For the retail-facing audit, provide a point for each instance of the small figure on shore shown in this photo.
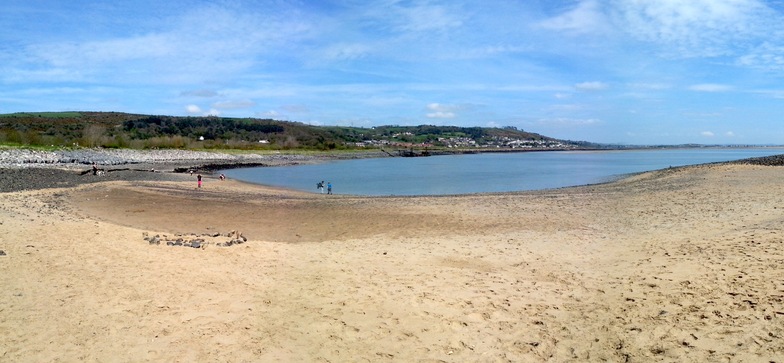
(198, 177)
(222, 177)
(329, 188)
(95, 168)
(320, 186)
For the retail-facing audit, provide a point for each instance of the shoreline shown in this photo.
(31, 170)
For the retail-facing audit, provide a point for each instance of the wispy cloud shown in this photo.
(766, 56)
(568, 122)
(586, 17)
(234, 105)
(205, 93)
(199, 45)
(697, 28)
(591, 86)
(417, 17)
(710, 87)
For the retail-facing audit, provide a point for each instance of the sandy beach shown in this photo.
(675, 265)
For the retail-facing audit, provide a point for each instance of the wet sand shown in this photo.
(675, 265)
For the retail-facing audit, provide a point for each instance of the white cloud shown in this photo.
(729, 134)
(485, 51)
(707, 134)
(440, 114)
(591, 86)
(710, 87)
(767, 56)
(193, 109)
(443, 111)
(695, 28)
(586, 17)
(196, 110)
(423, 18)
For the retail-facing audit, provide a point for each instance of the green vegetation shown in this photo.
(122, 130)
(43, 114)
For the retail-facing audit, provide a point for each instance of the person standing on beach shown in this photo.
(329, 188)
(198, 177)
(321, 187)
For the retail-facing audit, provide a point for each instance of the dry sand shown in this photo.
(676, 265)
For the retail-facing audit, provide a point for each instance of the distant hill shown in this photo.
(123, 130)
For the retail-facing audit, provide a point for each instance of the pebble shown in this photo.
(235, 238)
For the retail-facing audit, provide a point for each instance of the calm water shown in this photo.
(478, 173)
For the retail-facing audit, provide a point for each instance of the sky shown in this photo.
(608, 71)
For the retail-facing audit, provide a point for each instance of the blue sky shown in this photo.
(626, 71)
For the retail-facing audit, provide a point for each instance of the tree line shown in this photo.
(122, 130)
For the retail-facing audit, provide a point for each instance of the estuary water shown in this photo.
(488, 172)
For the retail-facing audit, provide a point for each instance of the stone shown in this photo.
(2, 253)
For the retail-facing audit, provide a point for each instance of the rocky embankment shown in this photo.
(774, 160)
(22, 169)
(20, 158)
